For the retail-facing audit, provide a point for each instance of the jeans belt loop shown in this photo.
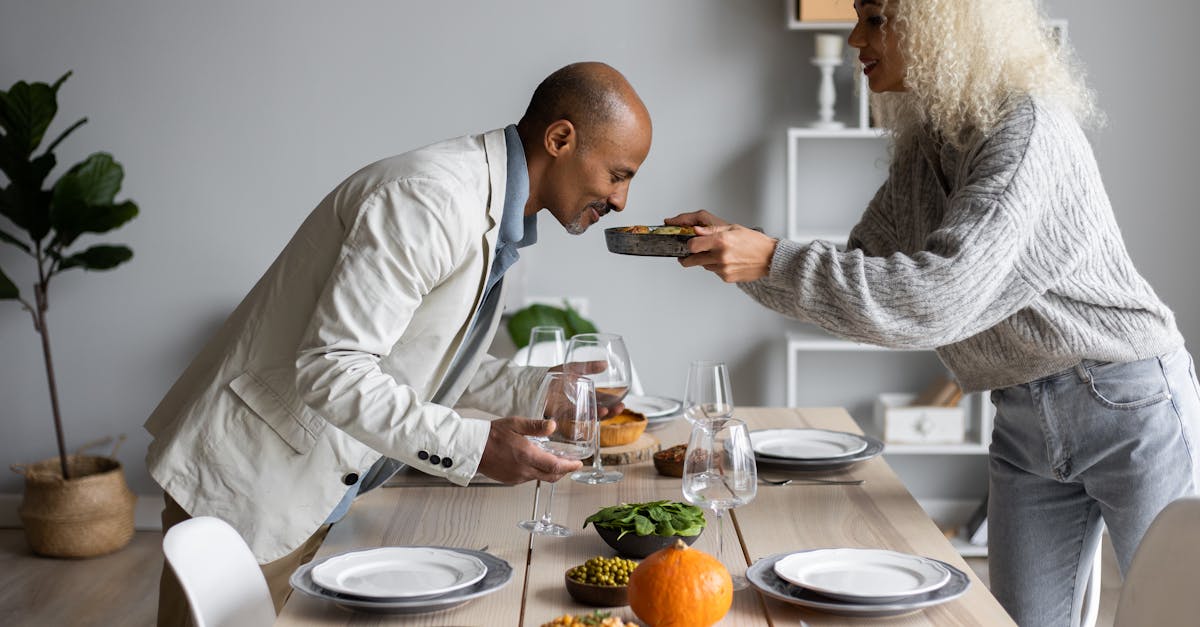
(1082, 373)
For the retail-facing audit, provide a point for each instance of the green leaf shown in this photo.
(91, 219)
(26, 111)
(567, 319)
(576, 324)
(5, 237)
(93, 181)
(8, 289)
(523, 321)
(643, 525)
(102, 257)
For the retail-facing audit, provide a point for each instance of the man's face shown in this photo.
(584, 184)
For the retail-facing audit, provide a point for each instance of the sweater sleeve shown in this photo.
(978, 267)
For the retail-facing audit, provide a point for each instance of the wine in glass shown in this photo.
(601, 357)
(547, 347)
(719, 474)
(707, 397)
(569, 400)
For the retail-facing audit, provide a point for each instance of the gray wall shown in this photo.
(234, 118)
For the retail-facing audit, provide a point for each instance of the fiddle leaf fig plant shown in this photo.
(49, 220)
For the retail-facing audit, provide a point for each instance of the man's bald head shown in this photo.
(590, 95)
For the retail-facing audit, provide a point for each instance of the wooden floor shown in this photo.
(122, 589)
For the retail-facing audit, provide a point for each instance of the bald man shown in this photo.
(352, 349)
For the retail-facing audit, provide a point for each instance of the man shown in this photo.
(371, 325)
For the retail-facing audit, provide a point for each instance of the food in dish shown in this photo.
(657, 230)
(669, 462)
(624, 428)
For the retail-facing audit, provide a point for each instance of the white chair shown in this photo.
(219, 575)
(1160, 588)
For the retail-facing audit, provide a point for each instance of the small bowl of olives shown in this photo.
(600, 581)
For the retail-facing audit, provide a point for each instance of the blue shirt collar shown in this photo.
(515, 228)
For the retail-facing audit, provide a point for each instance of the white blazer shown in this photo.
(331, 358)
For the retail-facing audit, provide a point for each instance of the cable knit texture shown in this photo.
(1005, 257)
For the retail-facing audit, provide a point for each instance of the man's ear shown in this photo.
(561, 138)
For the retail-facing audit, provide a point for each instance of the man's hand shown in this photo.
(731, 251)
(510, 458)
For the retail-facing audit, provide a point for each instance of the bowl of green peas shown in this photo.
(600, 581)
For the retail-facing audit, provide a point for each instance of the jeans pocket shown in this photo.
(1130, 385)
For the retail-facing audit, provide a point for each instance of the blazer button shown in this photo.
(422, 455)
(447, 462)
(351, 478)
(435, 460)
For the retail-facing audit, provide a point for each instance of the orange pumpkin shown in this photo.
(680, 587)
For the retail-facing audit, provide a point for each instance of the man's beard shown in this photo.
(581, 221)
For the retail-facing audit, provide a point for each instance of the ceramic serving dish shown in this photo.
(622, 240)
(635, 546)
(599, 596)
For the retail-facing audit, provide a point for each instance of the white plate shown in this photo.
(499, 573)
(806, 443)
(862, 575)
(399, 572)
(652, 406)
(762, 576)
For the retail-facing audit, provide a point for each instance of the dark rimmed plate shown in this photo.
(762, 576)
(499, 573)
(645, 244)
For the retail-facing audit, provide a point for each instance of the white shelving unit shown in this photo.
(818, 347)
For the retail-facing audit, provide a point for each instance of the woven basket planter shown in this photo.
(88, 515)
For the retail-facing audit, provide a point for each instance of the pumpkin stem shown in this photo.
(679, 544)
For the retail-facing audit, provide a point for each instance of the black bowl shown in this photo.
(635, 546)
(646, 244)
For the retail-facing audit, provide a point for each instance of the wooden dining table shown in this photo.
(421, 510)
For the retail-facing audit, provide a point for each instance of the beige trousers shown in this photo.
(173, 608)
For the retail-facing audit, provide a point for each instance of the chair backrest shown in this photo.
(1160, 587)
(218, 573)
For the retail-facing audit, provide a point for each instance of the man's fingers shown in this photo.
(547, 467)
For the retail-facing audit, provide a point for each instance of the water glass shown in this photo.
(719, 474)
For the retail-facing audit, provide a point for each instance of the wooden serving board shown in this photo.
(640, 450)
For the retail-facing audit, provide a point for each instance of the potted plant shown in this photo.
(74, 505)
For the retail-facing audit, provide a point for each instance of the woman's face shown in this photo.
(878, 46)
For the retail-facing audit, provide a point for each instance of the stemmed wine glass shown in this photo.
(719, 474)
(569, 400)
(601, 357)
(707, 397)
(547, 346)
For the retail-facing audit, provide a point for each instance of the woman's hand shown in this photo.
(731, 251)
(695, 218)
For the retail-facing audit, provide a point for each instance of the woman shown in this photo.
(993, 242)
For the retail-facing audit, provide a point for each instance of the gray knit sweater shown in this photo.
(1005, 257)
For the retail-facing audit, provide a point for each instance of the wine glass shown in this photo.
(547, 347)
(707, 397)
(719, 474)
(601, 357)
(569, 400)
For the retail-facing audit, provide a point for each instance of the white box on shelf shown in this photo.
(902, 423)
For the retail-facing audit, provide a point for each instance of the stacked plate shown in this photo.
(659, 411)
(812, 449)
(858, 582)
(403, 579)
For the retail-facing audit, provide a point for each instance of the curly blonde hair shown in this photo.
(967, 58)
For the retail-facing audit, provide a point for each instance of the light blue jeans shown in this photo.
(1102, 441)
